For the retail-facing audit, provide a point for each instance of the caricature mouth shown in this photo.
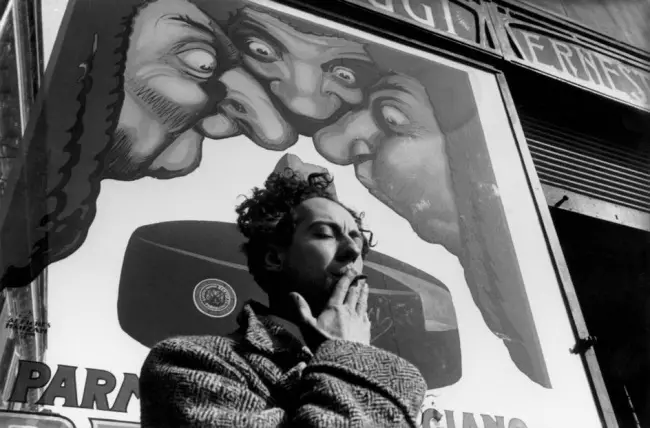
(363, 165)
(359, 159)
(246, 129)
(304, 125)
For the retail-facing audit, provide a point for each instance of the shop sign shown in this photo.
(462, 20)
(580, 64)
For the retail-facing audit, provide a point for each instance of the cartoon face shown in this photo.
(175, 57)
(247, 109)
(399, 154)
(314, 78)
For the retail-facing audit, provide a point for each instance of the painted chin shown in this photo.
(307, 125)
(256, 133)
(363, 168)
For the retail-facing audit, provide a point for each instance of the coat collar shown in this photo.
(268, 336)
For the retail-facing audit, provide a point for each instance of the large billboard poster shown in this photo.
(158, 115)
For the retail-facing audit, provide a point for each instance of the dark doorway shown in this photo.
(610, 269)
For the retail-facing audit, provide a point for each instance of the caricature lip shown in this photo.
(359, 159)
(248, 130)
(303, 125)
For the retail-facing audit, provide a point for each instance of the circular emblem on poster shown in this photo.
(215, 298)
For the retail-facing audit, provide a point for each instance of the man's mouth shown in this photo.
(337, 275)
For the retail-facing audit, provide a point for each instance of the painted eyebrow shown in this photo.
(392, 86)
(192, 23)
(254, 28)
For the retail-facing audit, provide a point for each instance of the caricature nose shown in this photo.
(354, 135)
(216, 92)
(303, 92)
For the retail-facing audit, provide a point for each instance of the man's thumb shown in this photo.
(304, 312)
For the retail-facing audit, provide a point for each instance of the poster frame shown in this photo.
(560, 266)
(423, 40)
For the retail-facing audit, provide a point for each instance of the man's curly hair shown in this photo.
(266, 218)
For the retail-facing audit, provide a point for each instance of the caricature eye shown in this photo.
(345, 74)
(238, 107)
(262, 51)
(394, 117)
(200, 62)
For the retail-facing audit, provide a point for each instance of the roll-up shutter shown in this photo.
(593, 150)
(602, 168)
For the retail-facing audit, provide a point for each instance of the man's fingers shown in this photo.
(353, 293)
(362, 303)
(341, 288)
(304, 311)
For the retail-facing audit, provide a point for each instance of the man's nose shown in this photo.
(302, 92)
(349, 250)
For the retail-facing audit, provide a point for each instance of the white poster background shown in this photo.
(82, 300)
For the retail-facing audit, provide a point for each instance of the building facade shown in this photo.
(574, 80)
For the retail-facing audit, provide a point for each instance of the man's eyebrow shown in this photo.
(189, 22)
(330, 224)
(324, 223)
(334, 226)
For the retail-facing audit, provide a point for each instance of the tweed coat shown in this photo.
(263, 377)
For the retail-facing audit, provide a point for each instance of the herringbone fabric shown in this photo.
(263, 377)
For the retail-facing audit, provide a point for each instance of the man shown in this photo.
(303, 361)
(314, 77)
(399, 155)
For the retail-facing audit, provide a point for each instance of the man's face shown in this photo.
(175, 57)
(326, 243)
(399, 154)
(247, 109)
(315, 78)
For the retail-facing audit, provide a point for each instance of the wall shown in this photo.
(624, 20)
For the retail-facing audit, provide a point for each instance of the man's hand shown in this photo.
(345, 316)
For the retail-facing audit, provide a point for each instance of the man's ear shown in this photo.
(274, 259)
